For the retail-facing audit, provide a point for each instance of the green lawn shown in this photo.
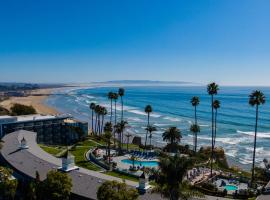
(80, 160)
(54, 150)
(122, 176)
(78, 151)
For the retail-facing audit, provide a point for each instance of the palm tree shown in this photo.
(150, 130)
(118, 129)
(128, 135)
(173, 136)
(216, 106)
(115, 97)
(195, 101)
(110, 97)
(108, 135)
(148, 109)
(170, 179)
(103, 113)
(92, 107)
(98, 109)
(121, 93)
(212, 90)
(195, 129)
(256, 99)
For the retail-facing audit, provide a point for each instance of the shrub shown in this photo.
(19, 109)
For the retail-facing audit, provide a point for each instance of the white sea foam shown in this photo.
(173, 119)
(259, 134)
(231, 153)
(245, 161)
(90, 97)
(204, 125)
(139, 112)
(136, 119)
(232, 141)
(159, 125)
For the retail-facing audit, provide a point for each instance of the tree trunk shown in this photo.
(102, 123)
(212, 152)
(115, 112)
(127, 142)
(122, 114)
(109, 151)
(111, 112)
(150, 141)
(215, 133)
(195, 134)
(96, 123)
(148, 118)
(255, 144)
(92, 121)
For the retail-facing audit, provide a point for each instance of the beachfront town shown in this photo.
(59, 157)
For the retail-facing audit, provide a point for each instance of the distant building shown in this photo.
(50, 129)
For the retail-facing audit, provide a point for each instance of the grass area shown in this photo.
(80, 160)
(54, 150)
(79, 151)
(122, 176)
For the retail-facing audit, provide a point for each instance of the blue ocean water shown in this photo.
(171, 106)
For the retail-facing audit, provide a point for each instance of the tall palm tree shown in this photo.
(195, 101)
(97, 109)
(216, 106)
(121, 93)
(148, 109)
(256, 98)
(108, 135)
(103, 114)
(173, 136)
(110, 97)
(92, 107)
(212, 90)
(195, 129)
(115, 98)
(128, 135)
(170, 178)
(150, 130)
(119, 129)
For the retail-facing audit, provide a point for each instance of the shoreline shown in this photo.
(36, 99)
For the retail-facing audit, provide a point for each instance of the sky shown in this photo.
(67, 41)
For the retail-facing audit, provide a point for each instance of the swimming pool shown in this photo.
(141, 163)
(231, 187)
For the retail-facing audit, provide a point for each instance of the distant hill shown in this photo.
(148, 82)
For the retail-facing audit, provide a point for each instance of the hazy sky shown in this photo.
(227, 41)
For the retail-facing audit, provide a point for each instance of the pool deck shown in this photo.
(240, 186)
(122, 165)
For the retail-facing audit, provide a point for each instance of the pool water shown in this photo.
(231, 187)
(141, 163)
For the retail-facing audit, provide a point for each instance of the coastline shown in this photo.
(36, 99)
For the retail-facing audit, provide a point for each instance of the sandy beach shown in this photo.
(36, 99)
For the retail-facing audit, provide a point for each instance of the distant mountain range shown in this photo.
(148, 82)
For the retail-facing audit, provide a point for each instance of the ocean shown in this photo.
(171, 107)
